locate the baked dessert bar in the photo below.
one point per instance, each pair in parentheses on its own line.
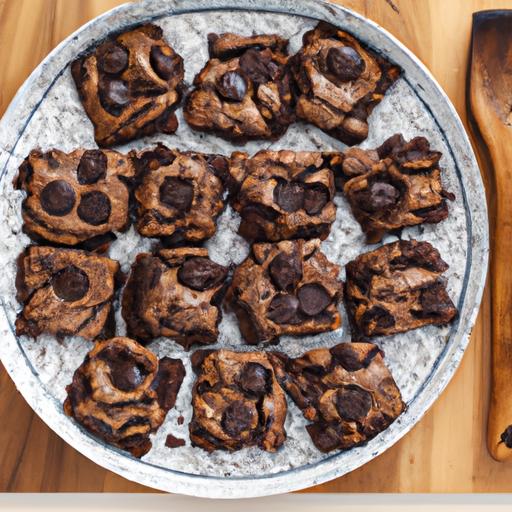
(284,195)
(402,189)
(75,198)
(237,402)
(346,392)
(65,292)
(130,85)
(396,288)
(340,81)
(121,393)
(179,195)
(285,288)
(174,293)
(244,90)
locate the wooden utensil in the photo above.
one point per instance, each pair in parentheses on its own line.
(490,97)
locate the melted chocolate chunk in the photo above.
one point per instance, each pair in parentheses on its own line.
(177,193)
(114,95)
(345,63)
(94,208)
(112,58)
(283,308)
(57,198)
(201,273)
(315,198)
(237,418)
(258,66)
(379,316)
(70,284)
(379,196)
(125,373)
(254,379)
(92,167)
(162,61)
(313,298)
(289,196)
(285,270)
(353,403)
(350,358)
(232,86)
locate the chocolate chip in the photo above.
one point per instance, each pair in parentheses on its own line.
(313,298)
(125,373)
(315,198)
(285,270)
(254,379)
(237,418)
(112,58)
(232,86)
(350,358)
(377,317)
(289,196)
(94,208)
(379,196)
(177,193)
(258,66)
(57,198)
(345,63)
(201,273)
(282,309)
(92,167)
(114,95)
(353,403)
(70,284)
(162,61)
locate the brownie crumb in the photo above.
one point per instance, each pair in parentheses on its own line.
(174,442)
(181,419)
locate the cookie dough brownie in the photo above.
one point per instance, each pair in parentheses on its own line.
(285,288)
(121,393)
(237,402)
(396,288)
(130,85)
(65,292)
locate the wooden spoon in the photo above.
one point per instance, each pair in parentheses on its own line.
(490,97)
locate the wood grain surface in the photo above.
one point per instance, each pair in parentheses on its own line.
(446,451)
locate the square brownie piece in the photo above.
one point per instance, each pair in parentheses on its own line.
(237,402)
(180,194)
(130,85)
(75,198)
(396,288)
(174,293)
(244,90)
(346,392)
(340,81)
(403,189)
(121,393)
(285,288)
(65,292)
(284,195)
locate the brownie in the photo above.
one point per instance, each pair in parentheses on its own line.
(346,393)
(402,189)
(340,81)
(237,402)
(285,288)
(180,194)
(65,292)
(174,293)
(396,288)
(284,195)
(130,85)
(244,90)
(121,393)
(75,198)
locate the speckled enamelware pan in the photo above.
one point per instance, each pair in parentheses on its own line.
(46,113)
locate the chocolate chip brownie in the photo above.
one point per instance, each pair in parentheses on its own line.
(285,288)
(346,392)
(284,195)
(174,293)
(180,194)
(340,81)
(121,393)
(396,288)
(75,198)
(244,90)
(65,292)
(403,189)
(130,85)
(237,402)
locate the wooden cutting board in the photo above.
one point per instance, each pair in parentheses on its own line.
(446,451)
